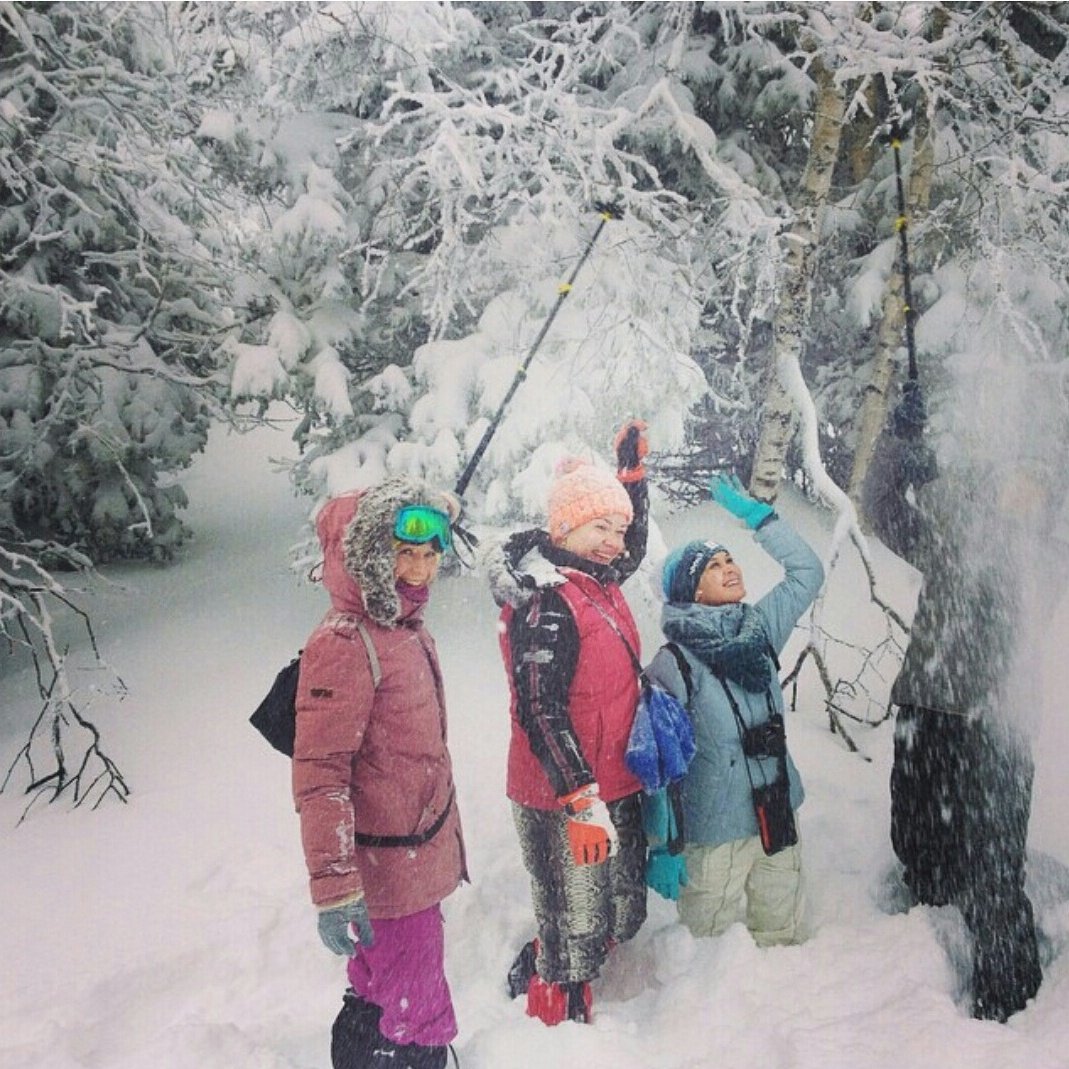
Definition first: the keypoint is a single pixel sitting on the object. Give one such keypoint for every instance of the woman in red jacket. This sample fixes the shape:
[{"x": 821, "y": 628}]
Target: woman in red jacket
[
  {"x": 570, "y": 647},
  {"x": 372, "y": 778}
]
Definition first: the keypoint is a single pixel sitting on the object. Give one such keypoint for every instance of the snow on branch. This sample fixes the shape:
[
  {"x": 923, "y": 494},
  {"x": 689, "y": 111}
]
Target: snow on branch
[
  {"x": 847, "y": 529},
  {"x": 63, "y": 757}
]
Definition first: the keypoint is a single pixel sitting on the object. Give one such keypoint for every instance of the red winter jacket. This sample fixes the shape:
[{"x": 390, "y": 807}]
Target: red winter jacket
[
  {"x": 573, "y": 683},
  {"x": 372, "y": 761}
]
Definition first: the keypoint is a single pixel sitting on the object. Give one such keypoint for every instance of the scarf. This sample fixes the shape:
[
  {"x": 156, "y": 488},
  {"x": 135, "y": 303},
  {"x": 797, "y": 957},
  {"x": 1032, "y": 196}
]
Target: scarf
[
  {"x": 412, "y": 597},
  {"x": 729, "y": 639}
]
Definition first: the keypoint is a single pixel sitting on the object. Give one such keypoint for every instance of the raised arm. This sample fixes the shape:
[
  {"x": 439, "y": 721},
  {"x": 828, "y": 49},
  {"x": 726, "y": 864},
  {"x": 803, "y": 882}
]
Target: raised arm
[
  {"x": 902, "y": 464},
  {"x": 631, "y": 447},
  {"x": 803, "y": 577},
  {"x": 794, "y": 593}
]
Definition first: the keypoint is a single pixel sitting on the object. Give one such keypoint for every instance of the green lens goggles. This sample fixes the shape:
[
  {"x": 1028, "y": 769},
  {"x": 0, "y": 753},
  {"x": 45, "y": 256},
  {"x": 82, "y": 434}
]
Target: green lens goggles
[{"x": 421, "y": 523}]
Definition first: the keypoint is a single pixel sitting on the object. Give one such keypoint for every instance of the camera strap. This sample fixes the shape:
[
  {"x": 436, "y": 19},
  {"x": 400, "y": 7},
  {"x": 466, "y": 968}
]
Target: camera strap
[
  {"x": 639, "y": 670},
  {"x": 771, "y": 801},
  {"x": 740, "y": 727},
  {"x": 674, "y": 789}
]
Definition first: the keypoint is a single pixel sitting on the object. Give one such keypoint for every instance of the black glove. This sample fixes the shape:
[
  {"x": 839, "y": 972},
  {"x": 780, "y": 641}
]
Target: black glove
[
  {"x": 631, "y": 447},
  {"x": 910, "y": 415}
]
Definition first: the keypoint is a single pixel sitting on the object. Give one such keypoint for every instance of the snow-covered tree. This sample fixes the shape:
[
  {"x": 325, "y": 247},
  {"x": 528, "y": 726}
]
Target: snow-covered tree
[
  {"x": 981, "y": 92},
  {"x": 482, "y": 140},
  {"x": 983, "y": 86},
  {"x": 980, "y": 88},
  {"x": 407, "y": 187},
  {"x": 109, "y": 277}
]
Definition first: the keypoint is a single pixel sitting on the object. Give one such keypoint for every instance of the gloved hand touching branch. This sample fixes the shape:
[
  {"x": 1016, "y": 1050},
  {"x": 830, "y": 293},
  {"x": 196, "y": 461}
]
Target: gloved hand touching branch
[
  {"x": 729, "y": 492},
  {"x": 631, "y": 447},
  {"x": 591, "y": 833},
  {"x": 336, "y": 925}
]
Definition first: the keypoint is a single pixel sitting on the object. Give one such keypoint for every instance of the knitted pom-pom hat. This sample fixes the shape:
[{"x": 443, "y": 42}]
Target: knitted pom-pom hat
[{"x": 582, "y": 492}]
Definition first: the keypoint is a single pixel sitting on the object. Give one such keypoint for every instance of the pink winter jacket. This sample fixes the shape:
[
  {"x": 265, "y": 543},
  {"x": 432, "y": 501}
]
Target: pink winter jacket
[{"x": 372, "y": 762}]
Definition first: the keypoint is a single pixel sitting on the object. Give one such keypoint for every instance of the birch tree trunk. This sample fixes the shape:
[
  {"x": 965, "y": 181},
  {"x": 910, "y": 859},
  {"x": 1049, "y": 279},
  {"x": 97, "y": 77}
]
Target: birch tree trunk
[
  {"x": 874, "y": 405},
  {"x": 779, "y": 418},
  {"x": 859, "y": 138}
]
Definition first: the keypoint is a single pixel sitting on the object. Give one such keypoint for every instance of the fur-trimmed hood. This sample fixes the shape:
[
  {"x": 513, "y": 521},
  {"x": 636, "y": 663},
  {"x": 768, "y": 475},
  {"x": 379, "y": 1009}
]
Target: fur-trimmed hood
[
  {"x": 528, "y": 561},
  {"x": 356, "y": 534}
]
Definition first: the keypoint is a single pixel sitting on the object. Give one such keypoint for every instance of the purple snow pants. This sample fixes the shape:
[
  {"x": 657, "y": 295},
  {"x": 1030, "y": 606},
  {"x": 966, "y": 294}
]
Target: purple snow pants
[{"x": 404, "y": 973}]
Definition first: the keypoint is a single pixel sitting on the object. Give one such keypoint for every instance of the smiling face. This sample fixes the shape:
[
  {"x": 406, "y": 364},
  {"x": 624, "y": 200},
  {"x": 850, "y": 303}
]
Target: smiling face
[
  {"x": 721, "y": 582},
  {"x": 416, "y": 564},
  {"x": 600, "y": 540}
]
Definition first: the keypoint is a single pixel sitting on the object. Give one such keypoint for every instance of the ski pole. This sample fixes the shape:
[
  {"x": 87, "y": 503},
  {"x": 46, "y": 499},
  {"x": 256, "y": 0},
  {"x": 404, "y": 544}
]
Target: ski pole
[
  {"x": 901, "y": 225},
  {"x": 910, "y": 411},
  {"x": 608, "y": 213}
]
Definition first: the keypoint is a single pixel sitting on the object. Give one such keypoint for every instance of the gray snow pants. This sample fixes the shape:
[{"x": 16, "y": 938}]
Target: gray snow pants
[{"x": 582, "y": 910}]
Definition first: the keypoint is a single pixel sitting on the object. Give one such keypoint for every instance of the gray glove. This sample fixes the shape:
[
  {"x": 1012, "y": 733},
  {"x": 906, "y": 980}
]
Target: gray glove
[{"x": 334, "y": 928}]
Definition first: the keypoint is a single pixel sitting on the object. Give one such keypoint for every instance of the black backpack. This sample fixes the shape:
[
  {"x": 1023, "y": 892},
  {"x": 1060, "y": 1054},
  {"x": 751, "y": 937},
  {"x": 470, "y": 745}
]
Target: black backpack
[{"x": 276, "y": 716}]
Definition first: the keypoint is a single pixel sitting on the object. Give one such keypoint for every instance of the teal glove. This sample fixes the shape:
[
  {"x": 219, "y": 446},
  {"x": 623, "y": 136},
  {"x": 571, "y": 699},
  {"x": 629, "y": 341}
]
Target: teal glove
[
  {"x": 729, "y": 493},
  {"x": 666, "y": 873},
  {"x": 335, "y": 928}
]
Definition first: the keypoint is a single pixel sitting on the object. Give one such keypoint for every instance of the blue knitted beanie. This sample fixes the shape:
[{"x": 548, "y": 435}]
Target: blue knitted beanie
[{"x": 683, "y": 567}]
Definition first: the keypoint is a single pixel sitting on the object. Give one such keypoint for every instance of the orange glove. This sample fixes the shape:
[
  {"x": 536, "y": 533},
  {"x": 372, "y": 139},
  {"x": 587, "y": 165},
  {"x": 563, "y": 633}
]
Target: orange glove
[
  {"x": 631, "y": 446},
  {"x": 591, "y": 833}
]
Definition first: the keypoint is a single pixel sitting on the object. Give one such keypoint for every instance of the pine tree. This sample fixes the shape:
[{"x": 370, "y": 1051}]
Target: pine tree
[
  {"x": 108, "y": 283},
  {"x": 108, "y": 306}
]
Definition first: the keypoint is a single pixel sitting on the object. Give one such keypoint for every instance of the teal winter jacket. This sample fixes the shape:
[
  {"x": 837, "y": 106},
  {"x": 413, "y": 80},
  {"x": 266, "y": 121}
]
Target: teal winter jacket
[{"x": 718, "y": 806}]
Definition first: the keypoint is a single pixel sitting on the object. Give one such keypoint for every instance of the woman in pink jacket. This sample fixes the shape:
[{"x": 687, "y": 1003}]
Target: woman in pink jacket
[{"x": 372, "y": 778}]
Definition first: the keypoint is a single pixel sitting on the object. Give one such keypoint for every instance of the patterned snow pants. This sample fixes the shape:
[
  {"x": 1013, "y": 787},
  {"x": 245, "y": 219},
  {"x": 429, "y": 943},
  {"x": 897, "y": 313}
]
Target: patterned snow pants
[{"x": 581, "y": 910}]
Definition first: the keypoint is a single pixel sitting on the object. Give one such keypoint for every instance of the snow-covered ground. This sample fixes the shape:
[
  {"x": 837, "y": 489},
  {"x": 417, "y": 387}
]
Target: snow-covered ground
[{"x": 175, "y": 932}]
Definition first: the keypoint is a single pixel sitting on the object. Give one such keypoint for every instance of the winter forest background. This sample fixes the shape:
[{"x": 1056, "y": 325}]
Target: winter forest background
[{"x": 359, "y": 215}]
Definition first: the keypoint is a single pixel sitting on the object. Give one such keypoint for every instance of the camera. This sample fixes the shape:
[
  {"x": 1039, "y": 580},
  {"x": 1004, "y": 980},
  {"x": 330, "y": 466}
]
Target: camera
[
  {"x": 766, "y": 740},
  {"x": 775, "y": 818}
]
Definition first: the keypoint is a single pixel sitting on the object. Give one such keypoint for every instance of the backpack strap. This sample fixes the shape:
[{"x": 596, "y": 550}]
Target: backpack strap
[
  {"x": 684, "y": 668},
  {"x": 372, "y": 655},
  {"x": 394, "y": 840}
]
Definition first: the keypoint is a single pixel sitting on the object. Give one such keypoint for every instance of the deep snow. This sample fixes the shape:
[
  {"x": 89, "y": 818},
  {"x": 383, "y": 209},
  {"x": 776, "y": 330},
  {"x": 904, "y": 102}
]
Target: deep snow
[{"x": 175, "y": 932}]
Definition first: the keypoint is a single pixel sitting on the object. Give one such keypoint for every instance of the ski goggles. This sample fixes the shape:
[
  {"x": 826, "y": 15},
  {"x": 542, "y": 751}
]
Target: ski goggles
[{"x": 421, "y": 523}]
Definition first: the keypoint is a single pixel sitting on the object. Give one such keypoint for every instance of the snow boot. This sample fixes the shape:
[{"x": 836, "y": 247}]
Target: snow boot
[
  {"x": 355, "y": 1031},
  {"x": 389, "y": 1055},
  {"x": 523, "y": 969},
  {"x": 580, "y": 1000},
  {"x": 553, "y": 1003}
]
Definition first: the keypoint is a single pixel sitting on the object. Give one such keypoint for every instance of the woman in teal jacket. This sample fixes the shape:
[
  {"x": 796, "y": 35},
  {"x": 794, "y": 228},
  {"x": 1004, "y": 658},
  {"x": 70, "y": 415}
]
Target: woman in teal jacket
[{"x": 721, "y": 661}]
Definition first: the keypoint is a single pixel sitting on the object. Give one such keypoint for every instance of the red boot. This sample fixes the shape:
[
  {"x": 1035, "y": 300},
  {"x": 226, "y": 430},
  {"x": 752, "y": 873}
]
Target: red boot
[{"x": 554, "y": 1003}]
